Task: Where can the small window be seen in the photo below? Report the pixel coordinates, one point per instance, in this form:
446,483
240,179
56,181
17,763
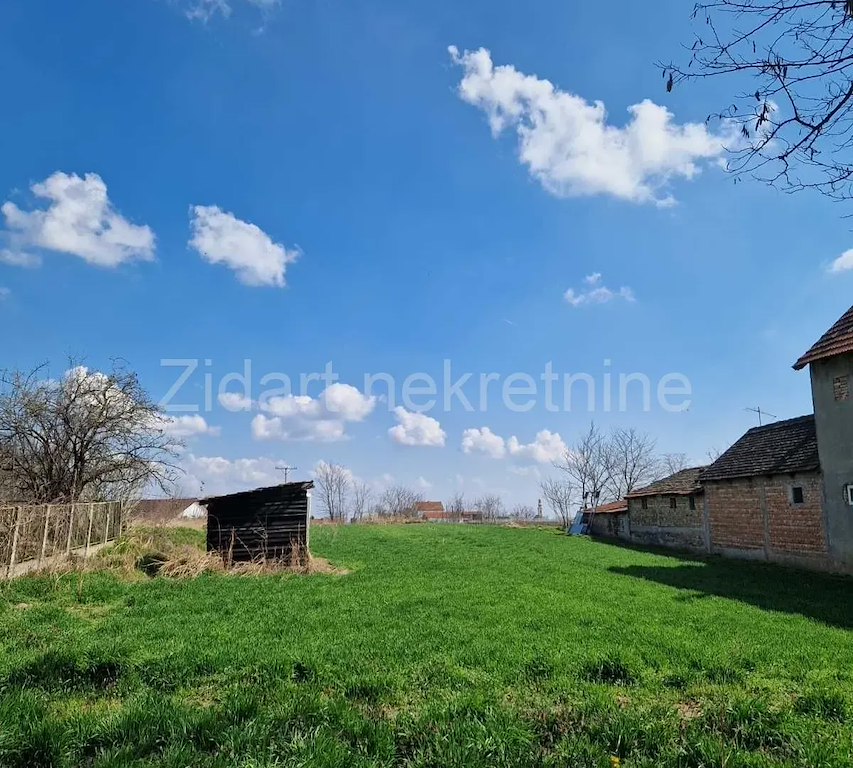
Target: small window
848,494
673,502
692,502
797,496
644,503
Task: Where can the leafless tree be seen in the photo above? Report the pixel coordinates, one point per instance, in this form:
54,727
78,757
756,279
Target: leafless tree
84,436
559,495
673,462
523,512
333,486
490,505
790,63
361,500
398,501
714,453
587,465
455,507
633,462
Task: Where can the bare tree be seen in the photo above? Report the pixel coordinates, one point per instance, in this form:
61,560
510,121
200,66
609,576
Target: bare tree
361,500
85,436
398,501
714,453
633,462
588,465
559,495
523,512
490,505
790,63
333,485
455,507
673,462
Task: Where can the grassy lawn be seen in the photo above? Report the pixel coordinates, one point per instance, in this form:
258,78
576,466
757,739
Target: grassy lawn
444,646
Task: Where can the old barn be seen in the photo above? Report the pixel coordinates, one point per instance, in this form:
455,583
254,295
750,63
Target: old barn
260,525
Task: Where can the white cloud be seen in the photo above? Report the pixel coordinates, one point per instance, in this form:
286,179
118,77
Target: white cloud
14,258
188,426
204,10
843,263
545,448
79,220
222,238
568,145
423,483
323,419
483,441
5,293
596,292
234,401
416,429
219,475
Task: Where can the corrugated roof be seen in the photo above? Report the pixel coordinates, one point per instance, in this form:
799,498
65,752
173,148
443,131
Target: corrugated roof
304,485
836,341
683,483
779,448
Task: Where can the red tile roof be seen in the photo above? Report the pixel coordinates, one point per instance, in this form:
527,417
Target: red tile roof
836,341
613,508
429,506
682,483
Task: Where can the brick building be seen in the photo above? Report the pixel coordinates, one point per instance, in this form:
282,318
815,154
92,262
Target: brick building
783,492
764,496
669,512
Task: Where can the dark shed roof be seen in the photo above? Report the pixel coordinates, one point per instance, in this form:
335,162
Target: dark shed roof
683,483
836,341
247,495
779,448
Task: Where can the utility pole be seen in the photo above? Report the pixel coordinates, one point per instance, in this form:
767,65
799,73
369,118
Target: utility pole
760,413
287,469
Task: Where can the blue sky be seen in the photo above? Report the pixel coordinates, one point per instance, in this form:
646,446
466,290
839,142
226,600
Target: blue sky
404,230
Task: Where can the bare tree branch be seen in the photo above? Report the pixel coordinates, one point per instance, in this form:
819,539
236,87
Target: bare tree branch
791,67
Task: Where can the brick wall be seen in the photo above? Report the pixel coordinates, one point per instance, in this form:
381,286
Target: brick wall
758,515
735,514
662,525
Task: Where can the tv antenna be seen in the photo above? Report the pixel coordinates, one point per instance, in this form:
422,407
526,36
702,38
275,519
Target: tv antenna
761,414
287,469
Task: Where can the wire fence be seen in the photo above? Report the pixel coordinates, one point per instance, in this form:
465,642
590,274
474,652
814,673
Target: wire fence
39,534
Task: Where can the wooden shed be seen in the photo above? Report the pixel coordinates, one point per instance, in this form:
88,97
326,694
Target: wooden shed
264,524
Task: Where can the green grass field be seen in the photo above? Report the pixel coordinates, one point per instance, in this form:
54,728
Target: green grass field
444,646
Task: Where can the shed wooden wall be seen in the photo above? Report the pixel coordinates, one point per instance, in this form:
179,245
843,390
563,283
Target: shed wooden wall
270,523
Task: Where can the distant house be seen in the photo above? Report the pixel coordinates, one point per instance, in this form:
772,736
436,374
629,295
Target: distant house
161,511
669,512
431,510
610,520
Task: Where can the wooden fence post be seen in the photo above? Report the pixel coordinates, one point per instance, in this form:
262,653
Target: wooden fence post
13,555
71,508
89,531
107,526
44,534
